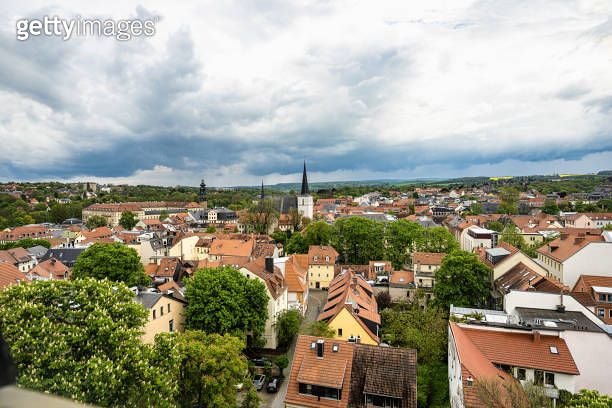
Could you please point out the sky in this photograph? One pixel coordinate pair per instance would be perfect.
(243, 91)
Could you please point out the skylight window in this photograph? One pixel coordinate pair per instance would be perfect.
(335, 348)
(313, 345)
(554, 350)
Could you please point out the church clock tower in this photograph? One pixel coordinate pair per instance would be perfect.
(202, 195)
(305, 201)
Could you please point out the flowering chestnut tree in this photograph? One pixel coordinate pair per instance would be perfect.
(81, 339)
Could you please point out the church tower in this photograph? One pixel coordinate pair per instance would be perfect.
(202, 195)
(305, 201)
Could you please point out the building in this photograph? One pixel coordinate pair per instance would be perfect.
(477, 351)
(570, 255)
(264, 270)
(595, 293)
(351, 309)
(588, 220)
(296, 276)
(166, 314)
(504, 257)
(10, 275)
(336, 373)
(143, 210)
(30, 231)
(67, 256)
(476, 237)
(321, 266)
(305, 200)
(425, 266)
(19, 257)
(49, 269)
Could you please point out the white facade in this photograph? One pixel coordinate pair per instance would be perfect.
(455, 379)
(305, 205)
(594, 259)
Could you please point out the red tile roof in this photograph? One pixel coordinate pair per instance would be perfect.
(428, 258)
(10, 275)
(325, 255)
(566, 245)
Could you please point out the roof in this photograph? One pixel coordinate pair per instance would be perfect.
(387, 371)
(428, 258)
(567, 245)
(332, 370)
(275, 282)
(350, 291)
(401, 277)
(16, 255)
(148, 299)
(521, 349)
(522, 277)
(51, 268)
(67, 256)
(232, 247)
(568, 320)
(166, 268)
(10, 275)
(317, 255)
(295, 275)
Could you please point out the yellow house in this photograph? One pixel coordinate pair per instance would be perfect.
(351, 309)
(166, 314)
(321, 266)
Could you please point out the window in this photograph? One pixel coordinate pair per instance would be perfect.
(610, 310)
(168, 307)
(538, 377)
(320, 391)
(339, 332)
(315, 258)
(171, 326)
(600, 313)
(554, 350)
(154, 314)
(373, 400)
(161, 310)
(602, 298)
(521, 374)
(549, 379)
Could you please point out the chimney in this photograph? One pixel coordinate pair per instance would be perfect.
(320, 344)
(269, 264)
(578, 240)
(358, 340)
(536, 337)
(52, 261)
(564, 236)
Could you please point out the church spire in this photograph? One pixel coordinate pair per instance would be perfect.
(262, 190)
(304, 182)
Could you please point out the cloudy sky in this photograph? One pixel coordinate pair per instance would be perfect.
(243, 91)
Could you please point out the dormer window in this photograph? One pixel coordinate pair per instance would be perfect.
(315, 258)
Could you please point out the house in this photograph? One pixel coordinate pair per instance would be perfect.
(20, 257)
(522, 277)
(296, 276)
(67, 256)
(165, 269)
(49, 269)
(505, 257)
(477, 237)
(264, 270)
(351, 309)
(30, 231)
(336, 373)
(588, 220)
(425, 266)
(476, 352)
(321, 261)
(570, 255)
(10, 275)
(595, 293)
(166, 314)
(221, 248)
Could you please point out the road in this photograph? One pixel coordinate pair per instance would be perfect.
(316, 300)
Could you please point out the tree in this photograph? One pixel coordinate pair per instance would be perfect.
(252, 399)
(509, 197)
(58, 213)
(210, 229)
(128, 220)
(494, 393)
(209, 367)
(95, 221)
(287, 326)
(261, 216)
(81, 340)
(509, 209)
(476, 208)
(163, 215)
(425, 330)
(438, 239)
(319, 233)
(462, 280)
(358, 240)
(402, 237)
(383, 300)
(591, 399)
(281, 362)
(25, 243)
(495, 226)
(297, 244)
(295, 218)
(113, 261)
(222, 300)
(432, 385)
(280, 237)
(512, 235)
(321, 329)
(550, 207)
(607, 227)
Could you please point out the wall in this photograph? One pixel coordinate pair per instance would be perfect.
(455, 381)
(512, 260)
(591, 352)
(350, 327)
(323, 274)
(594, 259)
(161, 322)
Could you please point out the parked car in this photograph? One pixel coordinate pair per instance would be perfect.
(258, 381)
(273, 384)
(260, 361)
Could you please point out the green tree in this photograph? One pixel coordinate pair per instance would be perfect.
(321, 329)
(297, 244)
(210, 229)
(438, 239)
(279, 237)
(252, 399)
(432, 385)
(163, 215)
(476, 208)
(95, 221)
(509, 209)
(113, 261)
(281, 362)
(512, 235)
(495, 226)
(209, 366)
(58, 213)
(462, 280)
(591, 399)
(128, 220)
(296, 219)
(287, 326)
(319, 233)
(222, 300)
(260, 216)
(550, 207)
(358, 240)
(81, 340)
(25, 243)
(402, 237)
